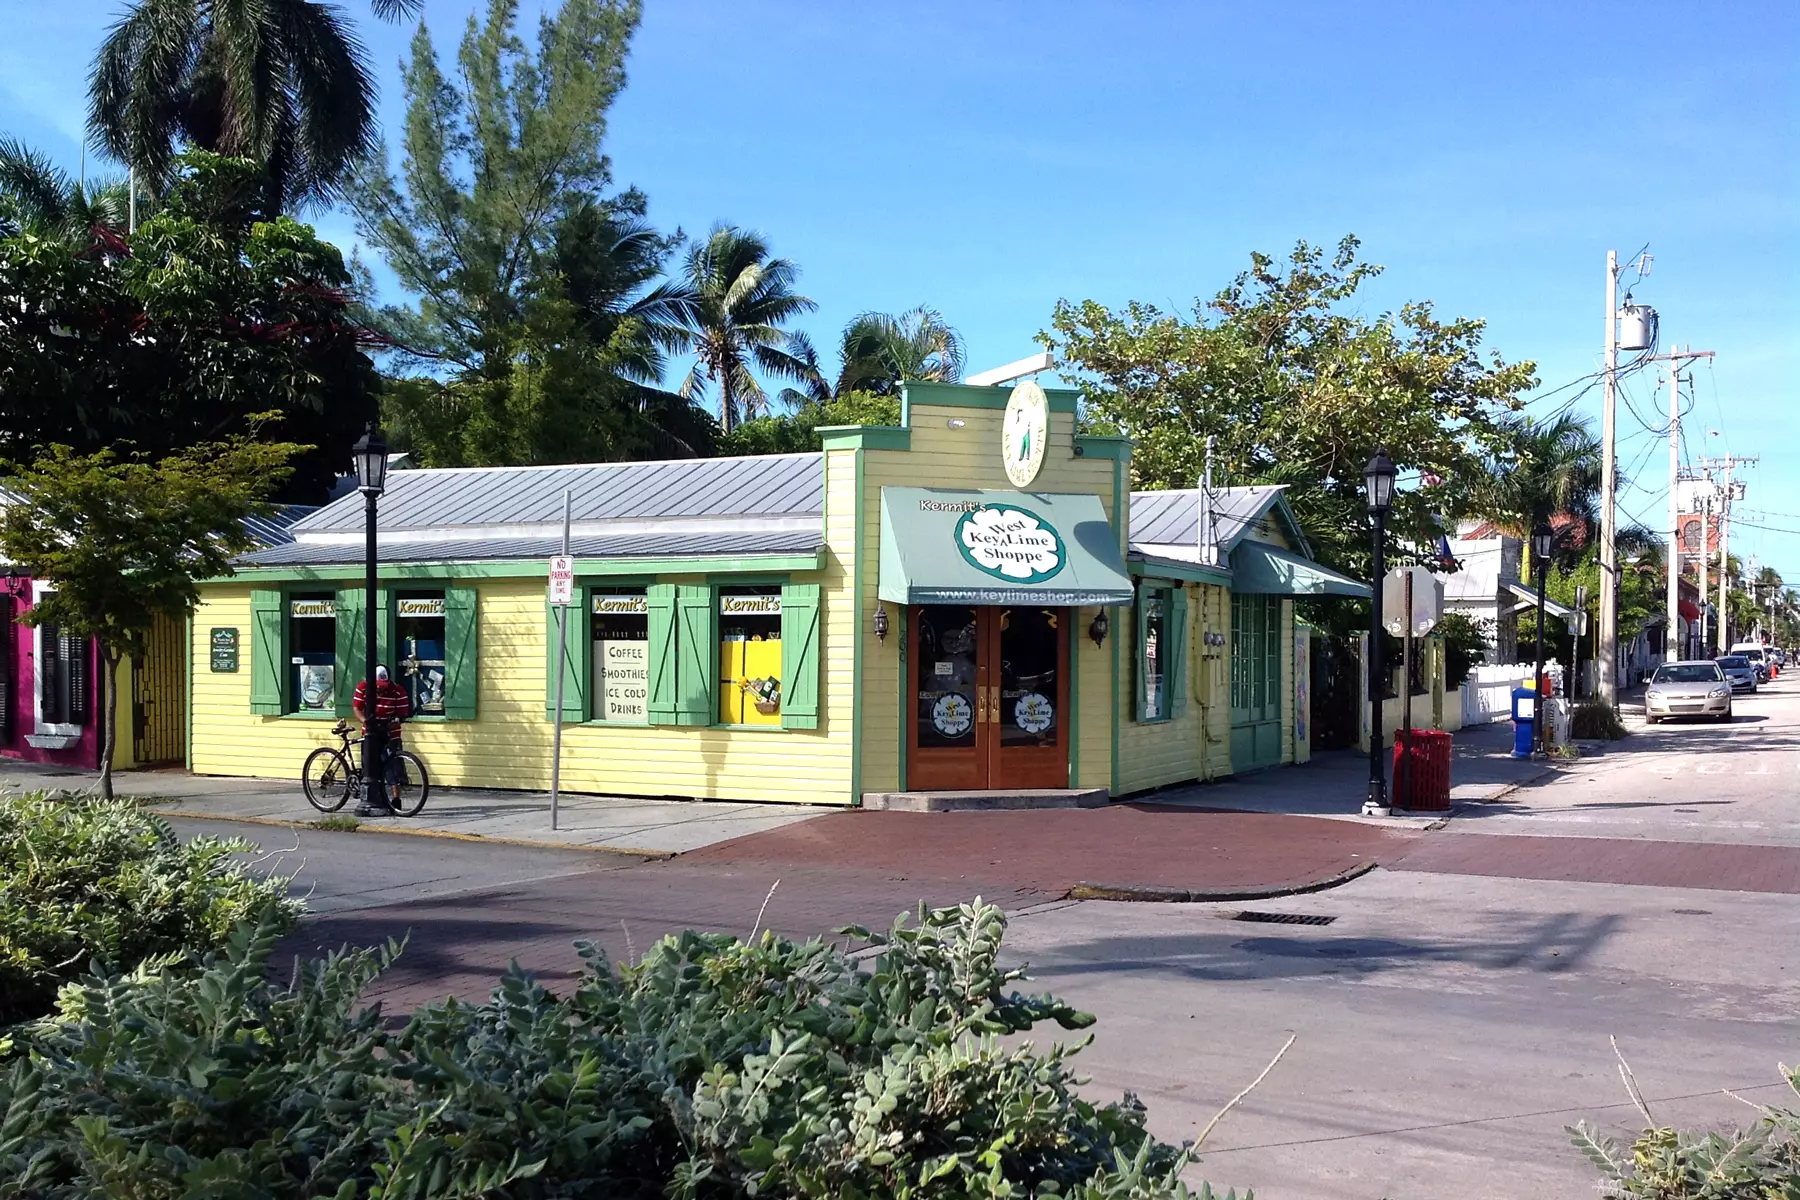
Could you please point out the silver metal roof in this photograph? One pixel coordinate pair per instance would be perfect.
(483, 549)
(277, 528)
(1171, 518)
(769, 485)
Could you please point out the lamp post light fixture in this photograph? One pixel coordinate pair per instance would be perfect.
(881, 622)
(370, 455)
(1543, 540)
(1378, 479)
(1098, 629)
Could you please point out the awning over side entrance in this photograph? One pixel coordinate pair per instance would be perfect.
(981, 546)
(1258, 568)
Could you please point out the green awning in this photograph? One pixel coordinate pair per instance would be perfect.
(1258, 568)
(982, 546)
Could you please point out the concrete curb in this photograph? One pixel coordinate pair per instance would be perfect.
(1150, 893)
(450, 834)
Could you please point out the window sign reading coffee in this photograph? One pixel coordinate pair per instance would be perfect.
(620, 623)
(750, 656)
(419, 627)
(312, 653)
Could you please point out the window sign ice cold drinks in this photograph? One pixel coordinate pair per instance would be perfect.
(621, 632)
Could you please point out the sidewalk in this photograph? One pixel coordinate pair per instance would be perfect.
(1335, 784)
(629, 824)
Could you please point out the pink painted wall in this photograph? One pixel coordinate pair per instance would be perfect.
(22, 646)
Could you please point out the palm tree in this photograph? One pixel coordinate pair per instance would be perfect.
(283, 82)
(1550, 472)
(38, 197)
(880, 351)
(736, 299)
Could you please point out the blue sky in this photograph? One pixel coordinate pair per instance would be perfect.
(989, 158)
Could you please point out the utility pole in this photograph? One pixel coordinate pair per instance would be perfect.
(1705, 502)
(1676, 360)
(1606, 656)
(1729, 492)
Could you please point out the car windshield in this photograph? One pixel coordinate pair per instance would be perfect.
(1734, 662)
(1688, 673)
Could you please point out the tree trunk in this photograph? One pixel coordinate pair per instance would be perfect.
(109, 716)
(725, 402)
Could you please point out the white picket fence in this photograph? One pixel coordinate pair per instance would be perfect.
(1487, 692)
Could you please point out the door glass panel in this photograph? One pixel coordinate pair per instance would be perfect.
(1028, 691)
(945, 676)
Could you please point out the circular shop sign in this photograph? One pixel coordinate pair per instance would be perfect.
(952, 714)
(1010, 543)
(1033, 713)
(1024, 433)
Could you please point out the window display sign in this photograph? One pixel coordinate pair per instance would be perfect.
(419, 629)
(608, 606)
(749, 606)
(624, 690)
(312, 651)
(413, 607)
(312, 608)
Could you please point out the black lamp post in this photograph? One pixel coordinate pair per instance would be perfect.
(1543, 538)
(1378, 478)
(370, 453)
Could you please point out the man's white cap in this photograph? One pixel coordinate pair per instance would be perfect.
(381, 674)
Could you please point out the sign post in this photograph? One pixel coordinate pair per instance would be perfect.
(562, 594)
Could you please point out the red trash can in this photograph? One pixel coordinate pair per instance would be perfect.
(1428, 787)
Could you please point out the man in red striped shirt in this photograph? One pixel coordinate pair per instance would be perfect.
(391, 705)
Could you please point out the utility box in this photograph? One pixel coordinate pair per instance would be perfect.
(1637, 327)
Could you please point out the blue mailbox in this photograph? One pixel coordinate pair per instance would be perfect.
(1524, 716)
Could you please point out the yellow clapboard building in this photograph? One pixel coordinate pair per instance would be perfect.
(971, 602)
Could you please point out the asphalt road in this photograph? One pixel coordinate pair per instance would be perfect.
(1452, 1017)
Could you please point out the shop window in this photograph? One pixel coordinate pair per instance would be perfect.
(62, 677)
(1161, 652)
(619, 628)
(312, 652)
(750, 656)
(420, 665)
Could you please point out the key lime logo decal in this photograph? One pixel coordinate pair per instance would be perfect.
(1024, 432)
(1010, 543)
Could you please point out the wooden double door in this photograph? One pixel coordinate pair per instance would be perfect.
(989, 688)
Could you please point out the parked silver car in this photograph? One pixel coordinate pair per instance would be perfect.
(1738, 672)
(1694, 688)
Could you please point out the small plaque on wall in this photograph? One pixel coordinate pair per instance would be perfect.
(224, 650)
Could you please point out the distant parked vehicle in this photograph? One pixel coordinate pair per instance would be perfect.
(1738, 672)
(1695, 688)
(1757, 656)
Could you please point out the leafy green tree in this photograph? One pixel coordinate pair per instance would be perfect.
(284, 83)
(1548, 471)
(539, 318)
(880, 351)
(38, 197)
(796, 431)
(205, 317)
(740, 300)
(1297, 388)
(125, 540)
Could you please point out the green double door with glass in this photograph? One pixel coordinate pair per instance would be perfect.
(1256, 638)
(989, 693)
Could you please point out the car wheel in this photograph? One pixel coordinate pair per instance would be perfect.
(1651, 720)
(1725, 717)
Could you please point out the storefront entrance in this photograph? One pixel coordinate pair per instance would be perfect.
(990, 690)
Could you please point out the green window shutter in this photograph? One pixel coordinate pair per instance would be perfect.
(696, 654)
(351, 610)
(1175, 665)
(659, 600)
(574, 657)
(268, 651)
(800, 656)
(1141, 692)
(461, 663)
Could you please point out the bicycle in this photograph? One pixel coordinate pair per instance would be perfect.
(332, 775)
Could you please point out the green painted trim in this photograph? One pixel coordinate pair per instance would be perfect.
(1293, 523)
(901, 698)
(1075, 698)
(1185, 572)
(856, 637)
(1098, 445)
(763, 580)
(865, 437)
(957, 395)
(188, 761)
(595, 568)
(308, 716)
(1120, 516)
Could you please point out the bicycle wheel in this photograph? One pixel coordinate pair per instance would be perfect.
(326, 778)
(408, 785)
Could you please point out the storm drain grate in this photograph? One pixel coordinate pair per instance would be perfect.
(1269, 918)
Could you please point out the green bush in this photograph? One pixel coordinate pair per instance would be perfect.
(711, 1068)
(1595, 720)
(85, 880)
(1758, 1163)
